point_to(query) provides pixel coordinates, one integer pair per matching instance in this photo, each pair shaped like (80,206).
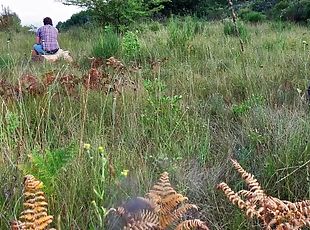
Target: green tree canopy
(119,11)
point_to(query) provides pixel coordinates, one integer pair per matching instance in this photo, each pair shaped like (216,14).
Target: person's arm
(37,40)
(38,36)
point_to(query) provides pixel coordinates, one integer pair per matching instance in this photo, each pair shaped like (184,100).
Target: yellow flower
(125,172)
(100,149)
(87,146)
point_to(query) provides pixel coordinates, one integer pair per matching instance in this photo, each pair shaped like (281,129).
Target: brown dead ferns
(163,208)
(272,212)
(34,216)
(114,78)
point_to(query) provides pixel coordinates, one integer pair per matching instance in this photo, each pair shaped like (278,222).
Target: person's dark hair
(47,21)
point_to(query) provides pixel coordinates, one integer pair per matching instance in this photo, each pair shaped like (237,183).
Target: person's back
(46,38)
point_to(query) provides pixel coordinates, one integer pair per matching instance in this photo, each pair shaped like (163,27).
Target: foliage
(9,20)
(248,104)
(130,45)
(181,32)
(298,11)
(108,44)
(239,29)
(48,165)
(161,111)
(119,12)
(251,16)
(200,8)
(83,18)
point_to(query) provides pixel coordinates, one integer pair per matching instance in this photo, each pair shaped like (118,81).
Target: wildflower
(125,172)
(100,149)
(304,42)
(299,91)
(87,146)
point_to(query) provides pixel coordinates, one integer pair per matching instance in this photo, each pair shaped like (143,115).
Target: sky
(33,11)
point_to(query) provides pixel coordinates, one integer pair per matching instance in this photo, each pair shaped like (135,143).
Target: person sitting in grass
(46,38)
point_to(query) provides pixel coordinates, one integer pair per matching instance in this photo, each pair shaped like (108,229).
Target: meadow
(198,101)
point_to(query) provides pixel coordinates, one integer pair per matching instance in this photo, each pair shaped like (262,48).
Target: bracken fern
(272,212)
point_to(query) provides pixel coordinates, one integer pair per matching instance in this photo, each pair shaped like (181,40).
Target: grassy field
(199,102)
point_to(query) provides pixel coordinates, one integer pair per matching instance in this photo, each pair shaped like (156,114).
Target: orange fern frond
(192,224)
(34,216)
(169,205)
(162,209)
(248,178)
(143,220)
(271,211)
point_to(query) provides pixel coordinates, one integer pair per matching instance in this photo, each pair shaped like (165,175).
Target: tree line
(124,12)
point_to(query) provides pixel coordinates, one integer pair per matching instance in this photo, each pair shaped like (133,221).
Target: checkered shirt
(48,37)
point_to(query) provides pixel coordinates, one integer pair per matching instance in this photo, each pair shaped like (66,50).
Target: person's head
(47,21)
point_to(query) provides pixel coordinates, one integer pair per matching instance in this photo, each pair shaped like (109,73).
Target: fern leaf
(143,220)
(192,224)
(249,179)
(34,216)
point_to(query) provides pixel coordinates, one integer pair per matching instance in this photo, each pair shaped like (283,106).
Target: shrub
(297,11)
(230,29)
(182,32)
(251,16)
(130,45)
(108,44)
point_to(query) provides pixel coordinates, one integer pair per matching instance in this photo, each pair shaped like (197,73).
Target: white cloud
(33,11)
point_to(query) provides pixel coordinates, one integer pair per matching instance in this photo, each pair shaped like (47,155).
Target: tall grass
(187,117)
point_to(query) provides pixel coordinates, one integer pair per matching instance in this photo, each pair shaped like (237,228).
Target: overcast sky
(33,11)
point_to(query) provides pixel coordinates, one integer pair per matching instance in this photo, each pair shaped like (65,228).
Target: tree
(9,20)
(119,12)
(197,7)
(78,19)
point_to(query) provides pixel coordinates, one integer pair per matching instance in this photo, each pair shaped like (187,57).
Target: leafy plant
(248,104)
(251,16)
(161,111)
(99,189)
(181,33)
(130,45)
(47,166)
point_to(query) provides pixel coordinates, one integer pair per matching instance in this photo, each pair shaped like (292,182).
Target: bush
(230,29)
(108,44)
(251,16)
(130,45)
(182,32)
(297,11)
